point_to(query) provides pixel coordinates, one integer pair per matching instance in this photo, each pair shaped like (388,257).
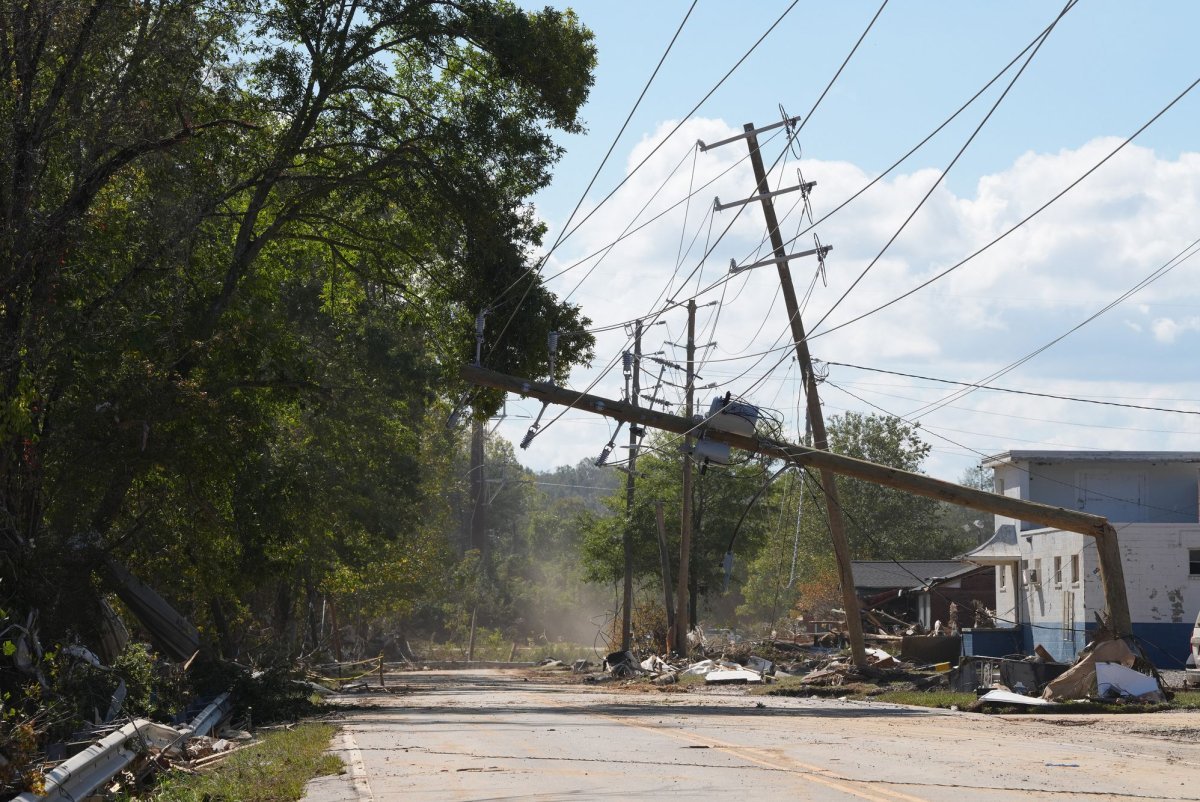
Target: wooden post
(816,417)
(478,528)
(664,556)
(627,536)
(682,625)
(471,639)
(1112,574)
(337,635)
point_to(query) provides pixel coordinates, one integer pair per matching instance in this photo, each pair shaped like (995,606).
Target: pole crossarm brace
(734,267)
(744,134)
(720,207)
(1111,571)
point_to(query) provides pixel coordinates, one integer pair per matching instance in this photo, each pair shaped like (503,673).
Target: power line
(683,119)
(1021,222)
(920,204)
(624,125)
(1172,263)
(562,235)
(1079,424)
(803,122)
(976,386)
(970,101)
(1044,477)
(1005,234)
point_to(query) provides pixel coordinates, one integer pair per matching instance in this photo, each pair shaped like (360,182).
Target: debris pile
(1108,670)
(746,663)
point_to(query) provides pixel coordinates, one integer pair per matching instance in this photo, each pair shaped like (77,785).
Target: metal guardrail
(82,774)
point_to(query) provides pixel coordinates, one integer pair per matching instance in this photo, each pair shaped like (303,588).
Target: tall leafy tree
(723,508)
(245,241)
(884,523)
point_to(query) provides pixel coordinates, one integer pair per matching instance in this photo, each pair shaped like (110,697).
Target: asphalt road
(494,735)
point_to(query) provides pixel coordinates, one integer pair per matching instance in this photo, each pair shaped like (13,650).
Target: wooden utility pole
(1112,575)
(664,556)
(633,387)
(478,529)
(682,625)
(816,417)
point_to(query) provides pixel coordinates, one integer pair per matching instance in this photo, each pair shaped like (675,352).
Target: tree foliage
(244,245)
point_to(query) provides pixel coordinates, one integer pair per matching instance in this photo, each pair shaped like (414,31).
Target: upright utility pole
(634,387)
(478,530)
(816,417)
(685,533)
(1112,574)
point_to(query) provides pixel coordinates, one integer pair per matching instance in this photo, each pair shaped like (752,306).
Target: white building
(1048,588)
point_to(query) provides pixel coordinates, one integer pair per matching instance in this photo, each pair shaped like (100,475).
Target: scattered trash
(761,665)
(733,676)
(655,664)
(975,673)
(879,658)
(1115,681)
(1083,680)
(1010,698)
(621,664)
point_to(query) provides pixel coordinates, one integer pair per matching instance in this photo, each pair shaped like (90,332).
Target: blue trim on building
(1166,645)
(993,642)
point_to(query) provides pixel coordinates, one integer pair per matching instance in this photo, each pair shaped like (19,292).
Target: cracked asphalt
(506,735)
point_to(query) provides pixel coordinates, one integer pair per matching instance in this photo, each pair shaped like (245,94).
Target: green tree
(970,527)
(884,523)
(245,245)
(881,523)
(722,509)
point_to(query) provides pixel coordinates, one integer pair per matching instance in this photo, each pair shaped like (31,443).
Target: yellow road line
(815,774)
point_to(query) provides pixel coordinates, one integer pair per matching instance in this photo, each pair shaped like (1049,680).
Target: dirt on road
(514,735)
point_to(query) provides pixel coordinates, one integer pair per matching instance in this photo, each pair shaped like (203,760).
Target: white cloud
(1098,241)
(1168,331)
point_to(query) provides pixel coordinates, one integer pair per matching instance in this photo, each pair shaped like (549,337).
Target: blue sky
(1105,70)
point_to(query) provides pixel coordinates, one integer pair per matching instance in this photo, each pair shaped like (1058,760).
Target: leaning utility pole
(685,525)
(1112,574)
(633,386)
(816,418)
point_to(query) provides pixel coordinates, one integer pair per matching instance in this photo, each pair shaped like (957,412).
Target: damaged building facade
(1048,587)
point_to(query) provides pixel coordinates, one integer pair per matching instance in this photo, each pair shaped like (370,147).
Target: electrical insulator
(627,362)
(529,435)
(479,321)
(603,458)
(552,342)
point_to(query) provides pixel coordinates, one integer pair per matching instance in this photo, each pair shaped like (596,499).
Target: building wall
(1054,607)
(1122,491)
(1163,597)
(1008,594)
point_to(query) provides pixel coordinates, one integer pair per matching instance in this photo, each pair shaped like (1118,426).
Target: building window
(1193,562)
(1058,572)
(1074,569)
(1002,573)
(1035,574)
